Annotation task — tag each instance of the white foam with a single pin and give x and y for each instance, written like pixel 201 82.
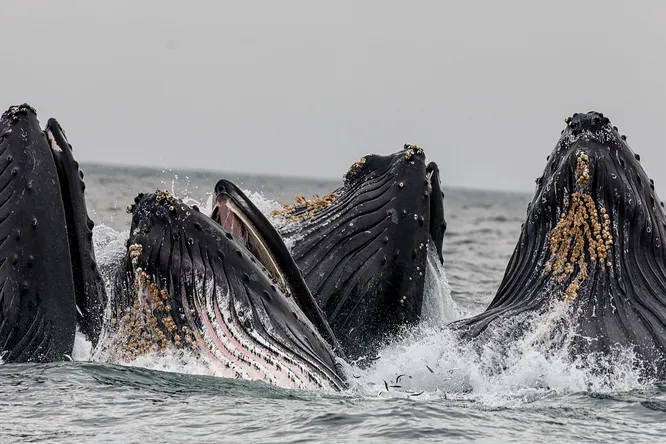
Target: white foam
pixel 82 347
pixel 174 361
pixel 264 204
pixel 498 371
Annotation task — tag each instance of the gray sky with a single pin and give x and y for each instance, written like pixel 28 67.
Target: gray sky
pixel 307 87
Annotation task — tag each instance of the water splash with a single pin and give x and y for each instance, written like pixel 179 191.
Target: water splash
pixel 268 208
pixel 175 361
pixel 265 205
pixel 495 370
pixel 438 306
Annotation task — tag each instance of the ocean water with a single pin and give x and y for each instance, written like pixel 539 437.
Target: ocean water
pixel 424 387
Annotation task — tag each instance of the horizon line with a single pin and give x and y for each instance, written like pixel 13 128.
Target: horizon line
pixel 277 175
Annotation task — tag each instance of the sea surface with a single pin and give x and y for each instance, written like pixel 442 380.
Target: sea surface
pixel 423 388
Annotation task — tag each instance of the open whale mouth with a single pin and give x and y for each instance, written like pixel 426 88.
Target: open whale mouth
pixel 241 219
pixel 201 286
pixel 229 214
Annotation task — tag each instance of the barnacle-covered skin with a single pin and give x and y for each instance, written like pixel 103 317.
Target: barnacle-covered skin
pixel 363 248
pixel 45 243
pixel 189 284
pixel 593 238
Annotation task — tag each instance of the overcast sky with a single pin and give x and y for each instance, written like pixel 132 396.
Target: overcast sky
pixel 307 87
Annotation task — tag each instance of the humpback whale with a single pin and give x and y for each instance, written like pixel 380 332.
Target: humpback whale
pixel 363 248
pixel 222 290
pixel 49 280
pixel 594 242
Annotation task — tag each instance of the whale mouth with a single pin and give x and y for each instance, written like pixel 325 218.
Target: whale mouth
pixel 245 223
pixel 235 220
pixel 192 283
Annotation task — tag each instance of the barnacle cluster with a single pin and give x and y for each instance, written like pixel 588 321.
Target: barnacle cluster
pixel 135 250
pixel 411 151
pixel 147 326
pixel 164 196
pixel 582 235
pixel 13 113
pixel 304 208
pixel 582 170
pixel 353 170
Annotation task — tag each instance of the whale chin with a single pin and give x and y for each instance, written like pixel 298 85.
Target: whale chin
pixel 593 242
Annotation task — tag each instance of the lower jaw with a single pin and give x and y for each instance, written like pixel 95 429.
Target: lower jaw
pixel 222 344
pixel 244 355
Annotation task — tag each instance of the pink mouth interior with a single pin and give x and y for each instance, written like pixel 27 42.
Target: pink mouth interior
pixel 231 223
pixel 242 233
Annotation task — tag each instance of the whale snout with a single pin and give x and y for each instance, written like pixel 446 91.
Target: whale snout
pixel 592 121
